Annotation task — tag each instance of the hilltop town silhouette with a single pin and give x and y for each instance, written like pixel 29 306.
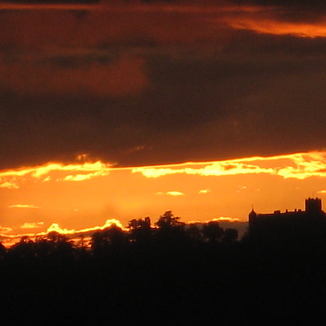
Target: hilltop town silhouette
pixel 172 273
pixel 289 225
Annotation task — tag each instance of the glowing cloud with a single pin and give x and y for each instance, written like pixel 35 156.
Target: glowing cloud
pixel 272 26
pixel 171 193
pixel 298 166
pixel 83 177
pixel 11 179
pixel 23 206
pixel 226 219
pixel 208 169
pixel 8 185
pixel 33 225
pixel 204 191
pixel 55 227
pixel 5 230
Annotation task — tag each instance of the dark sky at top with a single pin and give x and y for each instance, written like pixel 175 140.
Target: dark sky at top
pixel 138 84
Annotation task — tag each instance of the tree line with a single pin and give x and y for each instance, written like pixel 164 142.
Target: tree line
pixel 168 273
pixel 168 231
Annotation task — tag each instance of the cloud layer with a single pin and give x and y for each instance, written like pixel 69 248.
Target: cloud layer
pixel 298 166
pixel 138 83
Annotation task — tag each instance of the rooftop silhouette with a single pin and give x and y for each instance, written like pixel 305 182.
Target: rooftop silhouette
pixel 289 224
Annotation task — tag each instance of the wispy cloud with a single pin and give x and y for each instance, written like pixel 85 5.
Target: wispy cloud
pixel 226 219
pixel 171 193
pixel 298 166
pixel 8 185
pixel 272 25
pixel 4 230
pixel 83 177
pixel 108 223
pixel 11 179
pixel 32 225
pixel 23 206
pixel 231 167
pixel 204 191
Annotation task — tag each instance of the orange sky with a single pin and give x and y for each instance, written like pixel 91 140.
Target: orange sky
pixel 142 87
pixel 84 195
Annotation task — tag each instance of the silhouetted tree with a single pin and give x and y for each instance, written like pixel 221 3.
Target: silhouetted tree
pixel 42 247
pixel 56 237
pixel 24 249
pixel 194 233
pixel 3 250
pixel 170 229
pixel 99 243
pixel 167 221
pixel 140 230
pixel 116 236
pixel 212 232
pixel 55 244
pixel 112 237
pixel 81 247
pixel 230 235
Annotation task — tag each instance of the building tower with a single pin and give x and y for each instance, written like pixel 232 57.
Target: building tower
pixel 252 217
pixel 313 206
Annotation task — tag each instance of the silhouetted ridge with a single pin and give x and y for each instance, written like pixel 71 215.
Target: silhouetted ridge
pixel 171 273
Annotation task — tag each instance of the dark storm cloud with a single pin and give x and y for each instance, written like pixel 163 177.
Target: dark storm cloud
pixel 45 2
pixel 233 103
pixel 294 3
pixel 142 91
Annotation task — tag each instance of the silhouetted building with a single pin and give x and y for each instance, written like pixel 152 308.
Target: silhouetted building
pixel 295 223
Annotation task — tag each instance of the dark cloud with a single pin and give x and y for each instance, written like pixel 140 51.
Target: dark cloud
pixel 143 92
pixel 292 3
pixel 234 104
pixel 45 2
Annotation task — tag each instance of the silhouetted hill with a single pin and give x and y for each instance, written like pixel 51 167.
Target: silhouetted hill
pixel 170 275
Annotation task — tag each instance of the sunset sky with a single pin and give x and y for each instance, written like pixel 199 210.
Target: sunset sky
pixel 115 110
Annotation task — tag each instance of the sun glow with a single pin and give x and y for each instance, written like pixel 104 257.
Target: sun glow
pixel 66 197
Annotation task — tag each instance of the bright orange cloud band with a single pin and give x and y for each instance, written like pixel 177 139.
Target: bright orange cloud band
pixel 298 166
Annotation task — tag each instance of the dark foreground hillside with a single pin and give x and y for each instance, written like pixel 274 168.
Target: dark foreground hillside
pixel 206 285
pixel 169 276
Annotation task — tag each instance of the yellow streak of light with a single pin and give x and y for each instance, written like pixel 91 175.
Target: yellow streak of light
pixel 33 225
pixel 226 219
pixel 9 178
pixel 57 228
pixel 170 193
pixel 204 191
pixel 8 185
pixel 271 26
pixel 298 166
pixel 23 206
pixel 175 193
pixel 8 239
pixel 83 177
